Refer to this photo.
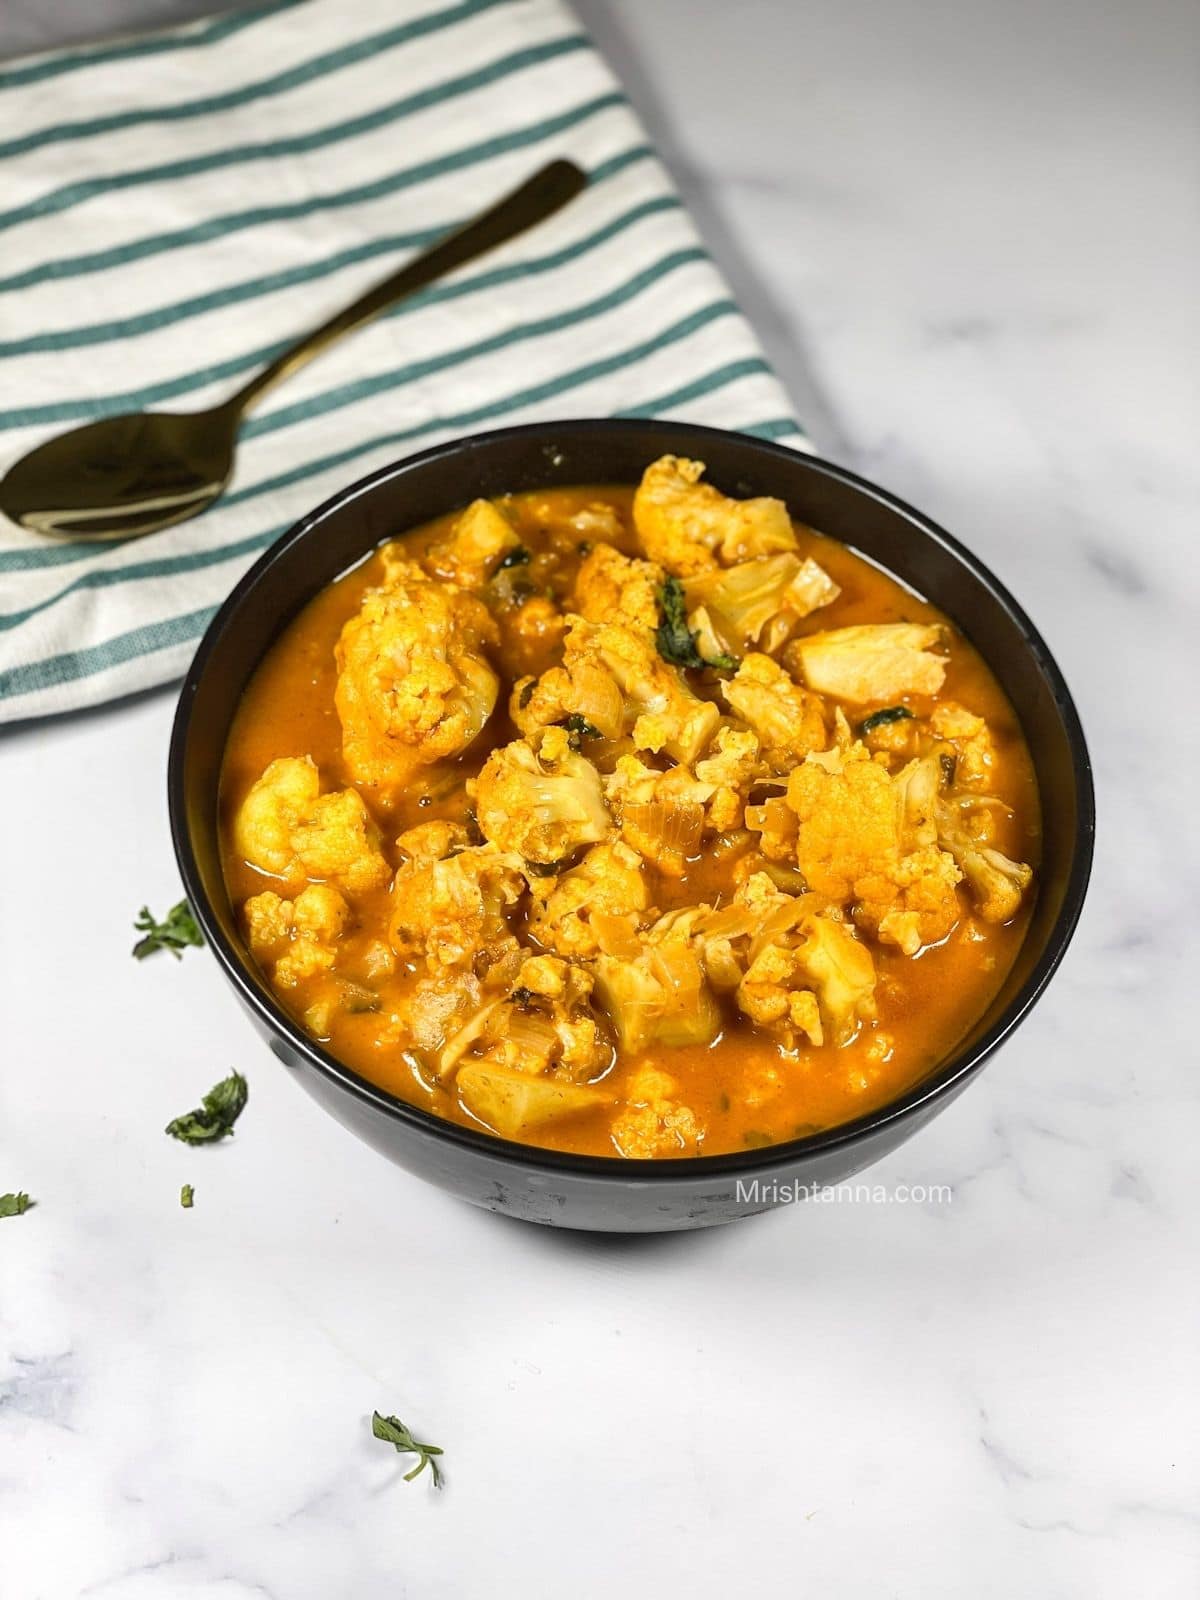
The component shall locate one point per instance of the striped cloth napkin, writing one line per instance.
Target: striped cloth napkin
(179, 207)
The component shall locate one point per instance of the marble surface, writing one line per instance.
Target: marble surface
(968, 236)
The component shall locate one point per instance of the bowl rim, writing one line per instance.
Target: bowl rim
(938, 1085)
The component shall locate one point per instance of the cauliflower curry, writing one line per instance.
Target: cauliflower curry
(636, 823)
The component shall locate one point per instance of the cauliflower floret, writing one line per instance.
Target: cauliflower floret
(806, 972)
(795, 965)
(586, 689)
(319, 912)
(287, 828)
(840, 968)
(769, 595)
(478, 542)
(432, 841)
(847, 820)
(547, 1024)
(534, 1051)
(661, 997)
(297, 937)
(611, 587)
(871, 662)
(997, 884)
(454, 911)
(733, 765)
(337, 840)
(895, 731)
(665, 815)
(683, 523)
(913, 902)
(551, 978)
(564, 989)
(268, 920)
(653, 1122)
(788, 719)
(661, 814)
(773, 995)
(975, 754)
(306, 959)
(512, 1102)
(763, 902)
(543, 805)
(613, 677)
(775, 823)
(609, 882)
(413, 685)
(667, 715)
(863, 838)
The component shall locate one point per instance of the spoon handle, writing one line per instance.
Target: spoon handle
(537, 198)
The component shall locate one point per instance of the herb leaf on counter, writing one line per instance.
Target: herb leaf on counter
(216, 1115)
(392, 1431)
(675, 640)
(14, 1205)
(175, 934)
(186, 1195)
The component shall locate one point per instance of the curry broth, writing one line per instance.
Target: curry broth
(744, 1088)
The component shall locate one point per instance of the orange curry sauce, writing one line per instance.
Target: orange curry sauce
(744, 1088)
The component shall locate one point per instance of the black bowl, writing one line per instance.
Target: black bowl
(593, 1192)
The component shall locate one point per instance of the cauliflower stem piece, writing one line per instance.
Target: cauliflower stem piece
(660, 998)
(760, 597)
(872, 662)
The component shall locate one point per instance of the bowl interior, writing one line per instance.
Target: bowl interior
(899, 539)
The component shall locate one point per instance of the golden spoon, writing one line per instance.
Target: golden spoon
(126, 476)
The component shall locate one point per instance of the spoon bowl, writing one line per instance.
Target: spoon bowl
(123, 476)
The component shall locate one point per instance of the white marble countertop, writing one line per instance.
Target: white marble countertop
(967, 235)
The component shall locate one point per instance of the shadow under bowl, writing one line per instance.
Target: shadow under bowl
(547, 1186)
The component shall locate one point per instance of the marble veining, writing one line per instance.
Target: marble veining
(967, 236)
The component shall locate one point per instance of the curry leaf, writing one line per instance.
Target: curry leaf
(174, 934)
(578, 729)
(392, 1431)
(519, 557)
(14, 1205)
(544, 869)
(880, 719)
(216, 1115)
(675, 640)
